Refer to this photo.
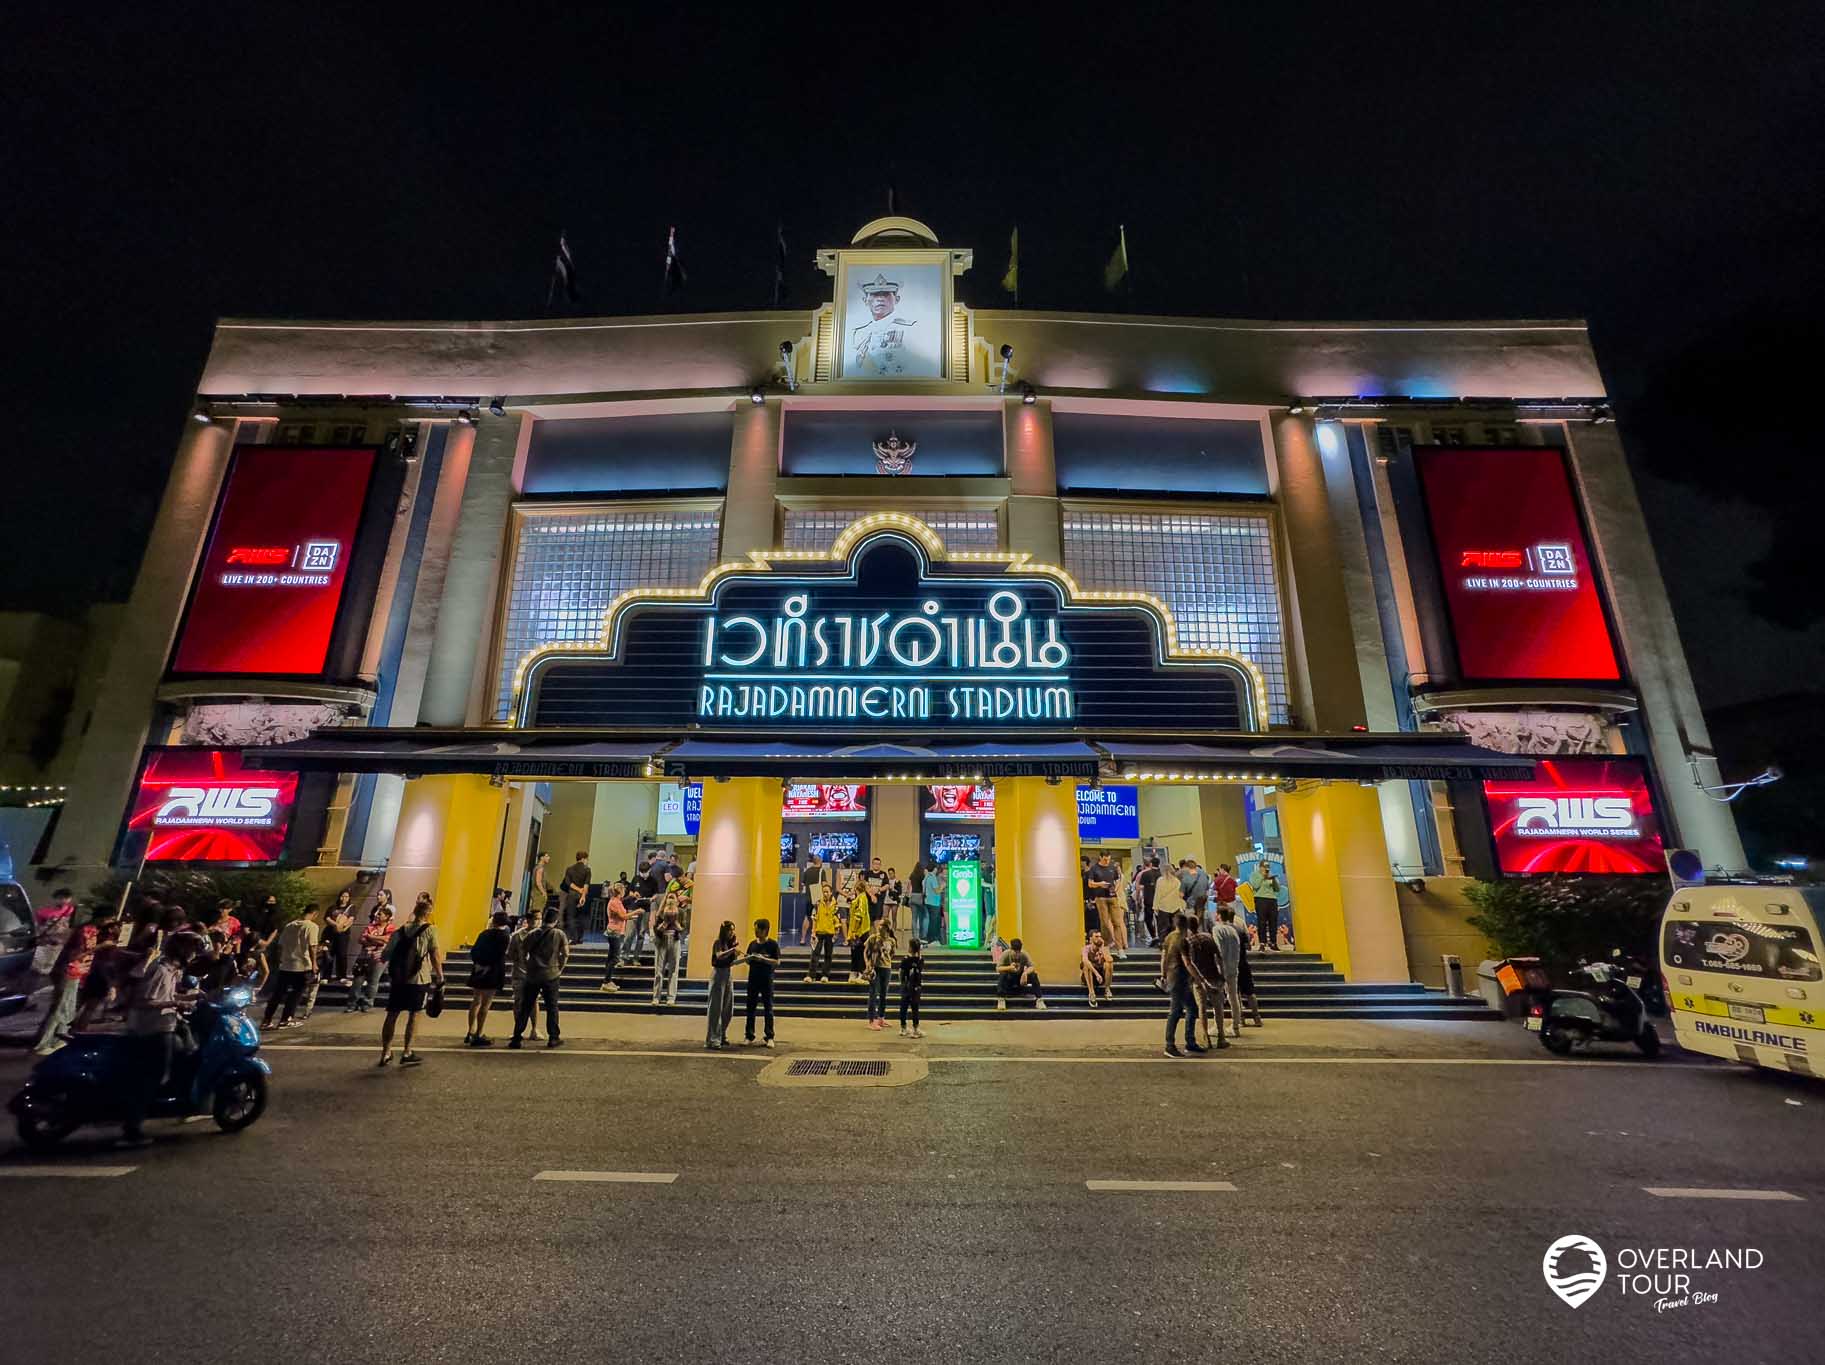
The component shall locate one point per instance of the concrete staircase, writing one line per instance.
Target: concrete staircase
(961, 985)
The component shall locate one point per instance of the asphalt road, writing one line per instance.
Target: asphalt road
(1382, 1210)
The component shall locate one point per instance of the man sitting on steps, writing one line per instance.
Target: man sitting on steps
(1015, 976)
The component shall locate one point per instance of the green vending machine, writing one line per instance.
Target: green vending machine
(963, 903)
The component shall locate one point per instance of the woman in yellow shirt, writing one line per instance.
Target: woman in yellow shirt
(823, 933)
(860, 922)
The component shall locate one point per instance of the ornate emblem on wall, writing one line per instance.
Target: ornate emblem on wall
(894, 456)
(246, 724)
(1530, 732)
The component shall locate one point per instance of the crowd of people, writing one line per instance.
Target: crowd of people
(1192, 917)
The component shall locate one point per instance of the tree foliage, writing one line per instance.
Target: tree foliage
(1562, 919)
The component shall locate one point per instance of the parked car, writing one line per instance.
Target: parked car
(18, 938)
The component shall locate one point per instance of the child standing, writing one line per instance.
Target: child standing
(878, 959)
(912, 984)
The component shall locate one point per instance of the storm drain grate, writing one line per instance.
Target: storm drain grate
(825, 1066)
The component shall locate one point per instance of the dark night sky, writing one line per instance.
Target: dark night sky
(1654, 168)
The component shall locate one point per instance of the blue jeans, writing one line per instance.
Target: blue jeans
(1182, 1006)
(614, 958)
(877, 993)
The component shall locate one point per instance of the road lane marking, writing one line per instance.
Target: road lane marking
(1674, 1192)
(66, 1172)
(612, 1177)
(1148, 1186)
(733, 1054)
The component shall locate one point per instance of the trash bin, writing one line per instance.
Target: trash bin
(1509, 985)
(1454, 975)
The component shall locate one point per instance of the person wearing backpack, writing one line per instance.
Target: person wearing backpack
(538, 962)
(414, 965)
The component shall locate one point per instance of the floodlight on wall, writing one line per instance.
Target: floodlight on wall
(497, 406)
(465, 418)
(1028, 395)
(1296, 408)
(200, 417)
(1602, 414)
(757, 395)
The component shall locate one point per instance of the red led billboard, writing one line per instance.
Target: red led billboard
(824, 801)
(961, 803)
(202, 806)
(1584, 814)
(1519, 583)
(271, 578)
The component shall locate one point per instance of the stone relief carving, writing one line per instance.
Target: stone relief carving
(248, 724)
(1530, 732)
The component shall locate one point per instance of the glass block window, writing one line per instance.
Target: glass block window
(816, 528)
(1214, 569)
(569, 565)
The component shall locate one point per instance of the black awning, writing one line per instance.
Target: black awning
(417, 754)
(939, 762)
(1374, 760)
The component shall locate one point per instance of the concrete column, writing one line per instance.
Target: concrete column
(1343, 900)
(622, 810)
(1033, 505)
(1327, 685)
(460, 668)
(1225, 825)
(737, 863)
(1675, 724)
(1038, 886)
(748, 511)
(103, 779)
(448, 843)
(896, 826)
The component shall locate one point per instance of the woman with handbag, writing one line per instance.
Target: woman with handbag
(415, 965)
(487, 975)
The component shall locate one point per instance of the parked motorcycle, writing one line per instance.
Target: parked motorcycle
(1612, 1011)
(86, 1081)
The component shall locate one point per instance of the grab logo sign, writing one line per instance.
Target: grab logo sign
(248, 807)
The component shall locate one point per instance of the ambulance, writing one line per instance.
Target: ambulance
(1743, 974)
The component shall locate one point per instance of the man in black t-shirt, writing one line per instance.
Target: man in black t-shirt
(762, 957)
(574, 895)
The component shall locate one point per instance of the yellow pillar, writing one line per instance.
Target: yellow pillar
(737, 864)
(1038, 884)
(447, 842)
(1344, 906)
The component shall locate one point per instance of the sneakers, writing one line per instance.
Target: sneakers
(554, 1042)
(513, 1043)
(411, 1059)
(917, 1033)
(1222, 1042)
(1196, 1047)
(483, 1040)
(608, 986)
(768, 1043)
(387, 1057)
(903, 1032)
(1093, 1002)
(1172, 1051)
(1039, 1004)
(1107, 996)
(1001, 1004)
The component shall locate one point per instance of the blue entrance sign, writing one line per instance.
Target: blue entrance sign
(1109, 815)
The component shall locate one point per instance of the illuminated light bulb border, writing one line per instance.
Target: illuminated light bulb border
(1012, 561)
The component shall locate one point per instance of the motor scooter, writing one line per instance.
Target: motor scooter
(86, 1081)
(1611, 1012)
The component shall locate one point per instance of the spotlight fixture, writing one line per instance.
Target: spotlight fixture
(1602, 414)
(756, 395)
(465, 418)
(1027, 395)
(200, 417)
(497, 406)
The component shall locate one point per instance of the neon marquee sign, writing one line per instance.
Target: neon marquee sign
(926, 664)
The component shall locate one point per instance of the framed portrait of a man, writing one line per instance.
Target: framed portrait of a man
(892, 321)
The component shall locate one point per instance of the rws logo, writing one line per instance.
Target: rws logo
(227, 807)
